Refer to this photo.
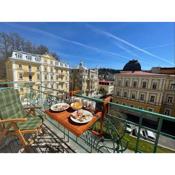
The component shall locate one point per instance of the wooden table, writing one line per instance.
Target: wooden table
(64, 119)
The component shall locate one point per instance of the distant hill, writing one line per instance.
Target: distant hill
(107, 73)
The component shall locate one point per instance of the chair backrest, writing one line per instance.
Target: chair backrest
(10, 104)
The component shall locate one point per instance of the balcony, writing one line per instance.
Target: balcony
(116, 134)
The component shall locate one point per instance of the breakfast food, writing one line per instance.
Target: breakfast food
(76, 105)
(60, 107)
(81, 116)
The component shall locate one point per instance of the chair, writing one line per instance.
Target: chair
(14, 120)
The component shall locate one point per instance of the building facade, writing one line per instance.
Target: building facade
(84, 79)
(163, 70)
(144, 90)
(107, 86)
(42, 70)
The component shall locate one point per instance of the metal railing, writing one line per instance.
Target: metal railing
(115, 137)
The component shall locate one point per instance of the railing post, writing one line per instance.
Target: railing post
(105, 110)
(158, 134)
(138, 134)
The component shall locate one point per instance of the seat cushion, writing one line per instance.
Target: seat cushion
(33, 122)
(11, 107)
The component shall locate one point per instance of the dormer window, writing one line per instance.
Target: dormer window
(28, 57)
(18, 55)
(38, 58)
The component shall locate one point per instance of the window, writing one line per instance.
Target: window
(38, 68)
(152, 99)
(29, 57)
(18, 55)
(133, 96)
(142, 96)
(20, 66)
(38, 58)
(126, 83)
(51, 69)
(144, 84)
(30, 77)
(30, 67)
(57, 77)
(38, 76)
(51, 77)
(172, 86)
(125, 94)
(20, 76)
(45, 77)
(167, 111)
(154, 86)
(170, 99)
(118, 93)
(135, 84)
(45, 69)
(119, 83)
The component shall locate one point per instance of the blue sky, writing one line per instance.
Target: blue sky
(108, 45)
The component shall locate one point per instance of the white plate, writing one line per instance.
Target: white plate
(84, 112)
(59, 107)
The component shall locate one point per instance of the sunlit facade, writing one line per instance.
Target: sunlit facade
(45, 69)
(144, 90)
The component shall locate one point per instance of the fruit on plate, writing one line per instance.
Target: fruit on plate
(76, 105)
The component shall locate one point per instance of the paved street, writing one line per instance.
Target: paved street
(167, 142)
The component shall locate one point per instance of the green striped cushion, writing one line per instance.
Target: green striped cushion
(11, 107)
(33, 122)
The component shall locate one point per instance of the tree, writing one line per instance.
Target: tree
(17, 42)
(41, 49)
(13, 41)
(55, 56)
(102, 91)
(5, 45)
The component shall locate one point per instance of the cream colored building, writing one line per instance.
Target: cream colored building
(84, 79)
(144, 90)
(42, 70)
(108, 86)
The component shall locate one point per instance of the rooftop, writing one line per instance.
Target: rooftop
(141, 73)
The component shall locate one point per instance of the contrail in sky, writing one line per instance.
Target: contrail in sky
(67, 40)
(110, 35)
